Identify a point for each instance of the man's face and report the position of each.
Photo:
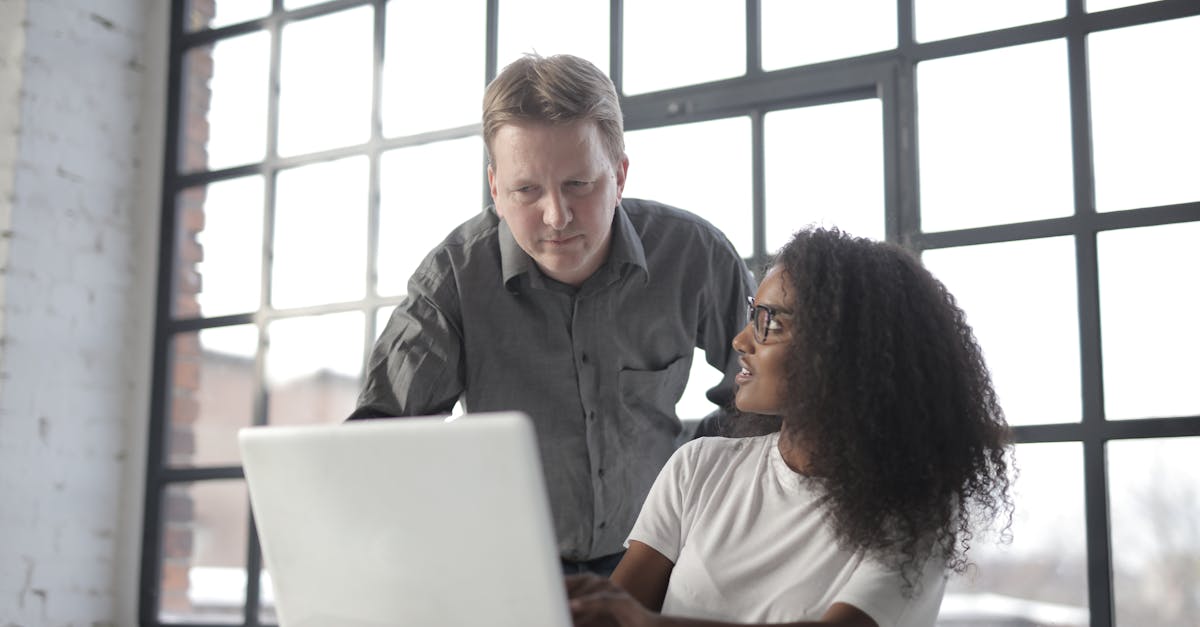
(557, 189)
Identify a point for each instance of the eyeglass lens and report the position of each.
(760, 317)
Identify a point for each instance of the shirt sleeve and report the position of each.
(725, 316)
(660, 525)
(415, 366)
(880, 592)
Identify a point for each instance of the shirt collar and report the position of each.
(514, 261)
(626, 244)
(626, 249)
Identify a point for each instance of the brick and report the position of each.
(177, 506)
(186, 374)
(181, 442)
(177, 542)
(174, 574)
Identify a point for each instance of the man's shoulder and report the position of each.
(641, 210)
(656, 221)
(474, 234)
(471, 247)
(478, 230)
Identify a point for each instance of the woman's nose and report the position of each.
(743, 342)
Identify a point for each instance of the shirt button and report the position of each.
(592, 415)
(600, 472)
(583, 358)
(602, 524)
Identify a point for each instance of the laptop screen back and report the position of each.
(413, 521)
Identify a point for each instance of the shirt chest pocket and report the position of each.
(649, 396)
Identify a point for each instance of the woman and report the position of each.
(891, 449)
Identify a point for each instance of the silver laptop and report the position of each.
(413, 521)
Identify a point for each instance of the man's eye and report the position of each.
(774, 325)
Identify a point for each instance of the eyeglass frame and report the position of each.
(752, 308)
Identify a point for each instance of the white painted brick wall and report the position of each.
(81, 97)
(12, 48)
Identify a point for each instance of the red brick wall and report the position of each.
(178, 508)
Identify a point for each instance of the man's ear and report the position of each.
(492, 189)
(622, 171)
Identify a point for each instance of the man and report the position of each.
(568, 303)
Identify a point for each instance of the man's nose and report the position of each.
(556, 215)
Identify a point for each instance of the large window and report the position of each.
(1041, 156)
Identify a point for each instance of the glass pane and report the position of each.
(1145, 131)
(218, 13)
(799, 33)
(313, 368)
(224, 109)
(266, 598)
(1041, 578)
(1154, 496)
(551, 27)
(1020, 299)
(381, 318)
(219, 248)
(1149, 299)
(425, 191)
(451, 32)
(1104, 5)
(824, 165)
(325, 82)
(694, 405)
(300, 4)
(942, 19)
(670, 163)
(669, 43)
(212, 395)
(204, 552)
(994, 134)
(320, 234)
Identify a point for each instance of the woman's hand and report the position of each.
(598, 602)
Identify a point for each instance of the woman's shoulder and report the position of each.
(716, 451)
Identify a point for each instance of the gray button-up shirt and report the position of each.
(599, 368)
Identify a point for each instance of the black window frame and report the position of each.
(889, 75)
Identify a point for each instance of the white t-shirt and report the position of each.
(751, 543)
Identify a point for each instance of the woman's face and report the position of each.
(762, 381)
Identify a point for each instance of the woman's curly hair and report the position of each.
(890, 396)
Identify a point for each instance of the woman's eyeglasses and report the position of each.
(762, 318)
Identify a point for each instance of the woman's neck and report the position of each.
(793, 450)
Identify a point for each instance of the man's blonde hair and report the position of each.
(558, 89)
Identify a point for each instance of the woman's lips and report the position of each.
(743, 376)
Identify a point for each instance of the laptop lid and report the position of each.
(412, 521)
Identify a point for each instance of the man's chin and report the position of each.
(557, 264)
(560, 267)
